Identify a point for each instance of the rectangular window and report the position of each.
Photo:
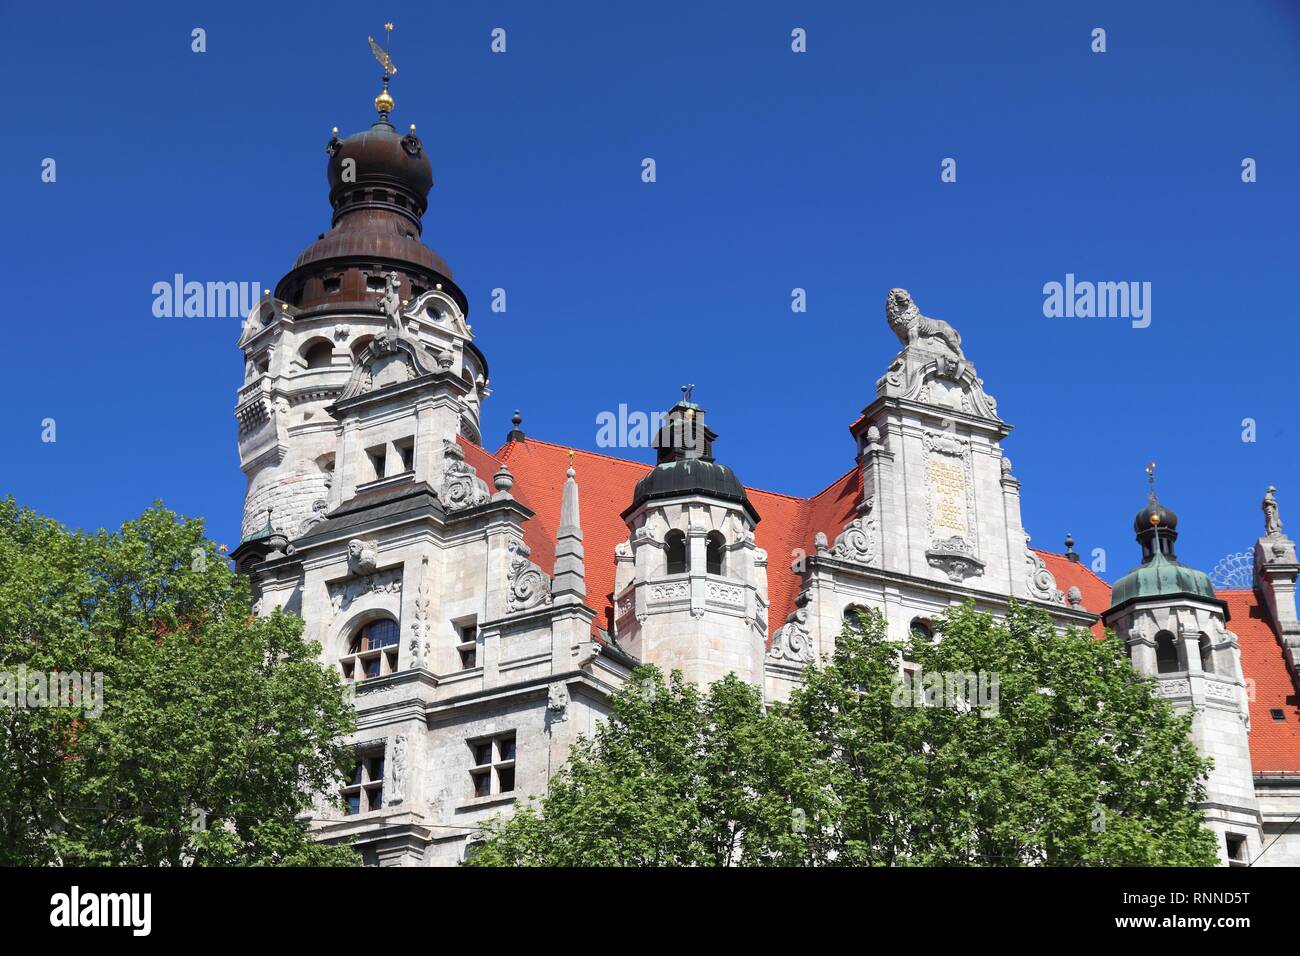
(467, 647)
(378, 460)
(1236, 846)
(494, 765)
(364, 792)
(406, 449)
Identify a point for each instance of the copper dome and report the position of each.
(379, 187)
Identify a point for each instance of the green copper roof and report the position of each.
(1160, 576)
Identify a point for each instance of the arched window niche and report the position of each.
(1166, 654)
(675, 552)
(714, 553)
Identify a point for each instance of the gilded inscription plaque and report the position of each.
(949, 517)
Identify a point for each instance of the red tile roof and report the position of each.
(1095, 591)
(788, 524)
(1273, 746)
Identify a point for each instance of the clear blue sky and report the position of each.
(775, 170)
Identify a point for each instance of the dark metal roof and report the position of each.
(691, 476)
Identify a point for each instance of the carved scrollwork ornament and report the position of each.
(529, 585)
(793, 641)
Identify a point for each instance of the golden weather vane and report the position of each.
(381, 52)
(384, 102)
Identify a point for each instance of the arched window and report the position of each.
(713, 546)
(372, 650)
(921, 630)
(359, 346)
(675, 550)
(1207, 654)
(853, 615)
(318, 354)
(1166, 653)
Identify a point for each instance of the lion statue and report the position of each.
(913, 328)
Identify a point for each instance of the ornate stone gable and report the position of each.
(391, 359)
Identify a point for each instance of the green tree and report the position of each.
(1070, 760)
(216, 727)
(675, 777)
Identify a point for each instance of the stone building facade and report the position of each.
(486, 605)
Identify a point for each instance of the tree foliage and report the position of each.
(675, 777)
(216, 727)
(1069, 759)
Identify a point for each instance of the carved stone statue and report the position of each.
(397, 789)
(915, 329)
(391, 301)
(1272, 522)
(363, 556)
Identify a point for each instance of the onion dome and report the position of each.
(1160, 573)
(1155, 514)
(686, 467)
(379, 183)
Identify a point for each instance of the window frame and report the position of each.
(364, 784)
(498, 769)
(353, 663)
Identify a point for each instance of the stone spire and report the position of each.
(569, 585)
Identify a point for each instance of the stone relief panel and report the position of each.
(343, 594)
(672, 591)
(950, 507)
(724, 593)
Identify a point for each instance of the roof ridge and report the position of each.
(833, 484)
(585, 451)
